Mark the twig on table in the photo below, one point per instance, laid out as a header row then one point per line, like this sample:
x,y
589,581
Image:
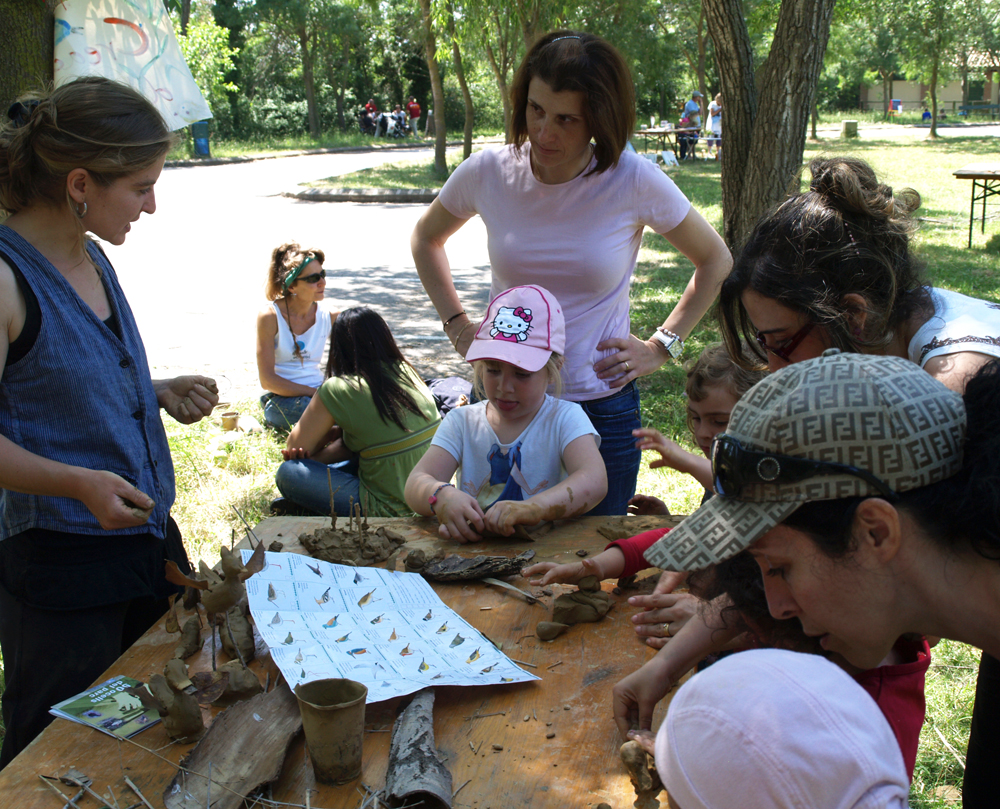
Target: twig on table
x,y
453,794
554,665
114,800
484,715
252,534
135,789
66,800
525,663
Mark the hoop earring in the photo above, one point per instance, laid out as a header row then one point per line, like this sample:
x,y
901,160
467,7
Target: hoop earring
x,y
80,214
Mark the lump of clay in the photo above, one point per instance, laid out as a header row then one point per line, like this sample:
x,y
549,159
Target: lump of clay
x,y
550,630
588,604
353,545
190,638
415,561
178,711
237,634
642,772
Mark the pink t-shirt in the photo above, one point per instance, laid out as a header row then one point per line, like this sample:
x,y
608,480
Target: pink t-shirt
x,y
577,239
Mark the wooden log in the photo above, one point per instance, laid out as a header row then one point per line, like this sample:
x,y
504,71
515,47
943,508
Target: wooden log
x,y
416,771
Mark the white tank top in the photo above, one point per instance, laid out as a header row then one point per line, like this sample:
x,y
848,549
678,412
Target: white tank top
x,y
309,369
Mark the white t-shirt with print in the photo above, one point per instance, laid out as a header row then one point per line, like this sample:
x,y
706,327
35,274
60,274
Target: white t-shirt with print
x,y
959,323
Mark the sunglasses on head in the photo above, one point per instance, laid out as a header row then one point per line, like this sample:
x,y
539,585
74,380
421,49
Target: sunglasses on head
x,y
785,350
314,278
734,467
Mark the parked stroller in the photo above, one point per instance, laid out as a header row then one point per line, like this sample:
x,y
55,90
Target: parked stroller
x,y
388,125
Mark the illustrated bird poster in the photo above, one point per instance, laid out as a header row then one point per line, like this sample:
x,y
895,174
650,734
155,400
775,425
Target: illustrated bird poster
x,y
385,629
133,42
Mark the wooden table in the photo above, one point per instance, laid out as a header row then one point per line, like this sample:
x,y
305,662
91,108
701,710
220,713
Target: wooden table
x,y
665,137
985,183
579,767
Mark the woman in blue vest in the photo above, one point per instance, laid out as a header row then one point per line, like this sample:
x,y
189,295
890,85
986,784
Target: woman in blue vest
x,y
86,481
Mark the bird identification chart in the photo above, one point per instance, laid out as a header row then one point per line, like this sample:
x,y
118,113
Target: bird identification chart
x,y
385,629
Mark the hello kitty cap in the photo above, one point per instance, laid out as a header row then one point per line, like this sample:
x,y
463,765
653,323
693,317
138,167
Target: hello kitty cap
x,y
523,326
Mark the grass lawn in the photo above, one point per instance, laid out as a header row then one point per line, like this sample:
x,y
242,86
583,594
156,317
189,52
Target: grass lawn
x,y
214,475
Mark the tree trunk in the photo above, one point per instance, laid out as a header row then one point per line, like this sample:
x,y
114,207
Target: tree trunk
x,y
437,90
934,111
309,81
26,55
185,16
813,134
886,93
460,75
502,85
764,127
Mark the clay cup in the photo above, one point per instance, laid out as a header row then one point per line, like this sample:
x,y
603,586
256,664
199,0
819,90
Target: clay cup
x,y
333,718
230,420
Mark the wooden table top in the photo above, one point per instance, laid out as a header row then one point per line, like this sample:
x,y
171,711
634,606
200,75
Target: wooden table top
x,y
979,171
578,767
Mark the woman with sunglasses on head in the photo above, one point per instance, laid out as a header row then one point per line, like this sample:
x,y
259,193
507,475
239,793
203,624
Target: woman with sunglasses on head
x,y
565,206
86,479
292,333
833,267
868,493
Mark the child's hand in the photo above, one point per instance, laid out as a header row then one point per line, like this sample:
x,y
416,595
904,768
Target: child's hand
x,y
645,504
460,516
670,453
552,573
503,515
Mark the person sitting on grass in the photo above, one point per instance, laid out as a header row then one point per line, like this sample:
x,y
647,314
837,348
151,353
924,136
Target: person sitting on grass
x,y
714,385
292,332
521,455
366,428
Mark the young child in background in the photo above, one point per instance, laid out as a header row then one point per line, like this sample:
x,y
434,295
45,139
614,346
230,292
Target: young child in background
x,y
714,386
522,456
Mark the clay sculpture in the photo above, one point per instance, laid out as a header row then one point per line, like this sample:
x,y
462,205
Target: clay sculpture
x,y
588,604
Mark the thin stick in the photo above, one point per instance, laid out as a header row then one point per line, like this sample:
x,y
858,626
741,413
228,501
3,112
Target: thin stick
x,y
453,794
554,665
135,789
252,534
951,749
208,792
83,786
484,715
114,800
66,800
524,663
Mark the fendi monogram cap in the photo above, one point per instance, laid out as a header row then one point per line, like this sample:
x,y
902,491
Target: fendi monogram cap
x,y
884,415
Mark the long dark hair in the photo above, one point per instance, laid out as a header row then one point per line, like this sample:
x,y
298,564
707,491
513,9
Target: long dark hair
x,y
362,345
849,234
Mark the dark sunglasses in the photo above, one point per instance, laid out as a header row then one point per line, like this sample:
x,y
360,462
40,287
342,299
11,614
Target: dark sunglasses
x,y
314,278
784,351
734,466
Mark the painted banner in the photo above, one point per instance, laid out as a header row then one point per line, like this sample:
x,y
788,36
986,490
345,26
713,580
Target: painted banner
x,y
133,42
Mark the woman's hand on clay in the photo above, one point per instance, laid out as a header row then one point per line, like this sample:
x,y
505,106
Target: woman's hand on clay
x,y
503,515
459,515
552,573
187,398
631,359
114,501
634,698
643,505
662,616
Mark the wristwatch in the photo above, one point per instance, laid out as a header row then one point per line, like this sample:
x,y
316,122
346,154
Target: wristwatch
x,y
672,343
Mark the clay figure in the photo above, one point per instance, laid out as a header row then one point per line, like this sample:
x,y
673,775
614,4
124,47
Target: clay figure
x,y
586,605
550,630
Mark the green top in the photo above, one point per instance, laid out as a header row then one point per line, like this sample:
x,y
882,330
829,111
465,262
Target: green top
x,y
388,454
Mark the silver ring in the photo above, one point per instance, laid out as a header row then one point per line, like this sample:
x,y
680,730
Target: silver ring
x,y
626,366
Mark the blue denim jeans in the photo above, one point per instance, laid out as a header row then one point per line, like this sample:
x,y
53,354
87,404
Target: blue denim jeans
x,y
282,412
615,417
308,484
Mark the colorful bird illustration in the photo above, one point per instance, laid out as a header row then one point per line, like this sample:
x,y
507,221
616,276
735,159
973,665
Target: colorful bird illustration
x,y
332,622
345,637
423,666
443,629
393,636
487,670
355,652
406,651
458,640
377,620
325,597
429,615
366,598
276,619
358,578
289,640
506,679
302,674
315,570
474,656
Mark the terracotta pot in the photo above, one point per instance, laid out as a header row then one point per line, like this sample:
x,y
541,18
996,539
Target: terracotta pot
x,y
333,719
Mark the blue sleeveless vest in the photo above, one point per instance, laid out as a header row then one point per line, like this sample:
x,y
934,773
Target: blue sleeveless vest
x,y
83,397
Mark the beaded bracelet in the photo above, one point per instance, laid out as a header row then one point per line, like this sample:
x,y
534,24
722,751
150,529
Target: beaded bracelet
x,y
448,321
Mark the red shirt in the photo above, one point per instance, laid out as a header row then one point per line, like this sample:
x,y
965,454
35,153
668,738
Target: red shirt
x,y
414,109
371,107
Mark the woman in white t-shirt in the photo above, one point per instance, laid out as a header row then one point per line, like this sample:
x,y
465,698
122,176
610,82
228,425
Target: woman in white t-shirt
x,y
565,207
292,333
715,114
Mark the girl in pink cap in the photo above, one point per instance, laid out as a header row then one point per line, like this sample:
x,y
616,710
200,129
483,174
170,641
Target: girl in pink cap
x,y
522,456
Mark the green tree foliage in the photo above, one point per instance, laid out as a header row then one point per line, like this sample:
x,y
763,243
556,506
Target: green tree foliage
x,y
209,56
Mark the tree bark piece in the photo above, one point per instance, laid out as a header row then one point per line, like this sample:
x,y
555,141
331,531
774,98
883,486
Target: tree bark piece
x,y
416,771
271,720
